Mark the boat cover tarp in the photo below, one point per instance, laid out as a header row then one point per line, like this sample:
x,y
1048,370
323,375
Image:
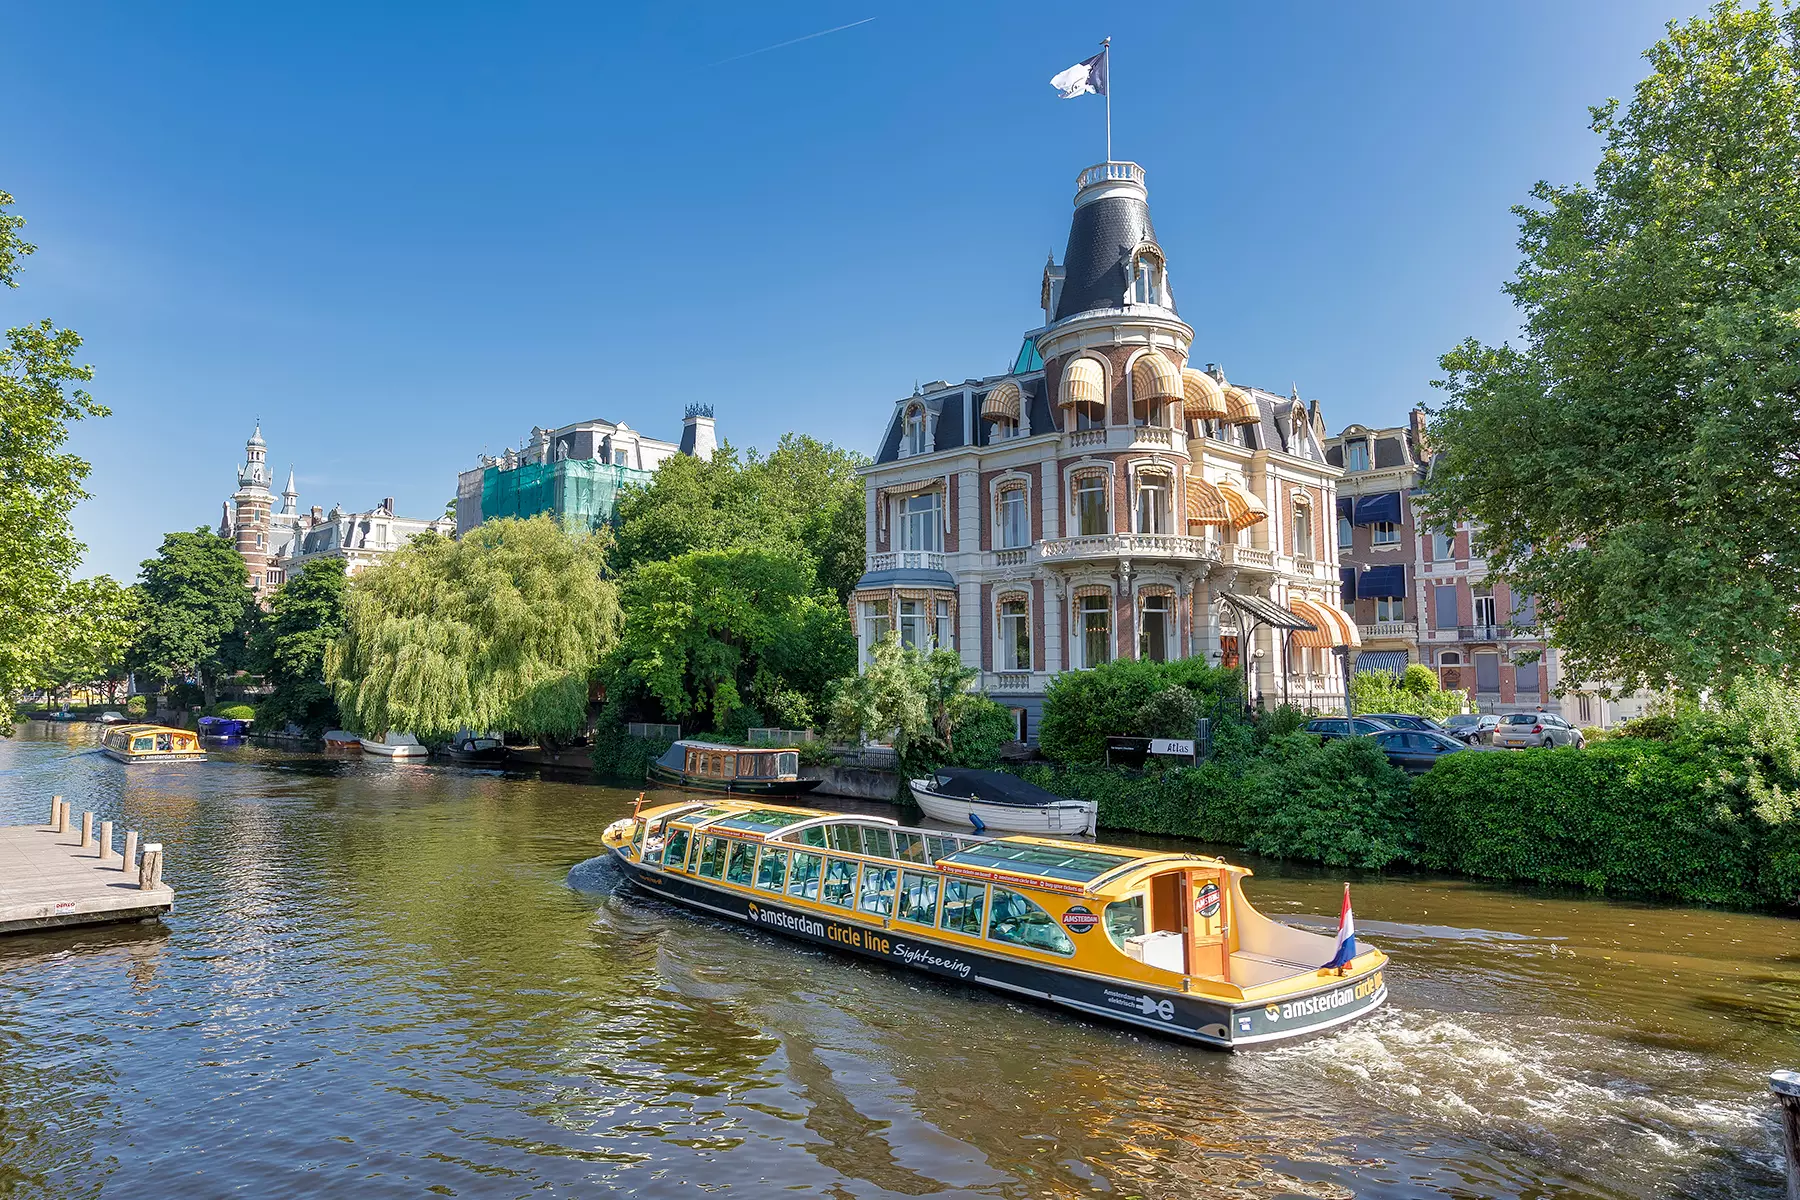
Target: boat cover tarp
x,y
674,758
994,787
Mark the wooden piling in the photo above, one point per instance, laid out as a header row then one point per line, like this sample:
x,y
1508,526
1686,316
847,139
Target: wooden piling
x,y
47,881
87,830
1786,1086
55,808
150,868
105,841
130,850
62,815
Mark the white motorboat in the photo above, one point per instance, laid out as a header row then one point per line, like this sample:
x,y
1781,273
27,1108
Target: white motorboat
x,y
395,745
983,800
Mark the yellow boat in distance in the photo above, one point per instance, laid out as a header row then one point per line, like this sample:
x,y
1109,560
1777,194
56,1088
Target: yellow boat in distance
x,y
1149,938
152,743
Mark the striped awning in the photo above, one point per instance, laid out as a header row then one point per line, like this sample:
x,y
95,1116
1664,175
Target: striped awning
x,y
1244,508
1203,398
1206,504
1240,409
1083,382
1260,608
1331,627
1154,377
1001,404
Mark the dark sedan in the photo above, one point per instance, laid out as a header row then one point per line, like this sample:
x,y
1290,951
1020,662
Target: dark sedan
x,y
1416,750
1424,725
1328,728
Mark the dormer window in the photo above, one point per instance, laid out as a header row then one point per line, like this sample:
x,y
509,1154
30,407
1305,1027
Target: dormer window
x,y
1356,455
1147,279
915,430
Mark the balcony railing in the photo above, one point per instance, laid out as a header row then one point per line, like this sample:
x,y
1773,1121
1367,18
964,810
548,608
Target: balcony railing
x,y
1247,556
1103,172
1127,437
1010,558
1483,633
1157,437
907,560
1011,681
1127,545
1388,629
1077,439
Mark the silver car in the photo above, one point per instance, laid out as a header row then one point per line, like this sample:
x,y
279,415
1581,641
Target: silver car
x,y
1518,730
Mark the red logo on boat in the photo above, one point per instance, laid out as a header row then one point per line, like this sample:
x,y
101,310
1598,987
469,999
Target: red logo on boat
x,y
1079,919
1206,901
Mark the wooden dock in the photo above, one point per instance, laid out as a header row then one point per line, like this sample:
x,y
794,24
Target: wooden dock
x,y
56,875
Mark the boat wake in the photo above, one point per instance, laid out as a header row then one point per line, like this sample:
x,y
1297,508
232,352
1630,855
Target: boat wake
x,y
1617,1113
597,876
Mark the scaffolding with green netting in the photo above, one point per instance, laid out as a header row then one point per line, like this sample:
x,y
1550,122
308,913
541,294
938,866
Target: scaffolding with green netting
x,y
581,492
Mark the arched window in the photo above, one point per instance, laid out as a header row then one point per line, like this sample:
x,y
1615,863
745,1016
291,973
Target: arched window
x,y
1093,626
1156,623
915,430
1450,658
1147,279
1089,498
1014,611
1153,502
1303,534
1012,517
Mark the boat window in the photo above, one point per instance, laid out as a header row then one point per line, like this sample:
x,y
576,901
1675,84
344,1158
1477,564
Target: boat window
x,y
676,853
1125,919
1065,863
939,847
840,881
963,902
712,857
742,863
909,847
918,898
804,882
877,894
877,842
693,762
1017,919
164,742
847,838
143,743
727,766
772,873
787,763
759,820
813,836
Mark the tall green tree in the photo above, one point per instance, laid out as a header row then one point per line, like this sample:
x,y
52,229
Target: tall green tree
x,y
500,630
1635,462
804,499
198,611
306,614
922,706
738,637
40,394
98,627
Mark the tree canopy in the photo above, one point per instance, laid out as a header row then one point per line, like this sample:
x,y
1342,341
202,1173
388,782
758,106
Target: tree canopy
x,y
805,498
738,636
98,626
1635,462
920,704
40,484
499,630
306,614
197,610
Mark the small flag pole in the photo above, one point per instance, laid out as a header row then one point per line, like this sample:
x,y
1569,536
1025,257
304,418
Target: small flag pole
x,y
1106,49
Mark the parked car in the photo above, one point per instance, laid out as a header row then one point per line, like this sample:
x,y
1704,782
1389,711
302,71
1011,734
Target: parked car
x,y
1411,721
1416,750
1473,728
1328,728
1518,730
110,717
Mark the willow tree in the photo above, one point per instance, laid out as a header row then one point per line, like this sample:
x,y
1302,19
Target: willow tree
x,y
499,630
1634,462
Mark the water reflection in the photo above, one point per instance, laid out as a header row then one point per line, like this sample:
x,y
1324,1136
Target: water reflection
x,y
387,975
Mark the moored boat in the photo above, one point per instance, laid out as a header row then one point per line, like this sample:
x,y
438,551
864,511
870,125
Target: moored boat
x,y
742,770
473,749
151,743
996,800
1152,939
394,745
223,728
342,739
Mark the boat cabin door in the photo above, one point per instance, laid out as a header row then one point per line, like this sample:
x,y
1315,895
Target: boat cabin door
x,y
1208,922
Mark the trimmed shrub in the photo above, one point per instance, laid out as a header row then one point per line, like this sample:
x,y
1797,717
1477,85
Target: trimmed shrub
x,y
984,727
137,706
1083,708
235,712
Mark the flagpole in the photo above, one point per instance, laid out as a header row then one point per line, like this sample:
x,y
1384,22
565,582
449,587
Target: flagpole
x,y
1106,49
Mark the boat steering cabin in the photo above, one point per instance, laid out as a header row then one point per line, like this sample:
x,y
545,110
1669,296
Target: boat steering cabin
x,y
1152,939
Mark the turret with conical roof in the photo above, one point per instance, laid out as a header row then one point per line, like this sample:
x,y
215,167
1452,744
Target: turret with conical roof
x,y
290,498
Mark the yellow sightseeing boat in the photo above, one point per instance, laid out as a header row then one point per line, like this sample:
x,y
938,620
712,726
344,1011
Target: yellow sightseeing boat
x,y
152,743
1149,938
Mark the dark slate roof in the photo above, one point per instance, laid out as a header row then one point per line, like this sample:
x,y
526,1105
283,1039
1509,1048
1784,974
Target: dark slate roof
x,y
687,436
1096,269
908,577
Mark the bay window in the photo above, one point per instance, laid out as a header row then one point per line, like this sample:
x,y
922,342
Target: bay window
x,y
920,525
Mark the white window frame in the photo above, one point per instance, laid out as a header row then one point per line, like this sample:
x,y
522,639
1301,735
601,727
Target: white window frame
x,y
1156,487
868,612
915,436
1479,603
1147,285
1077,488
1384,533
1346,533
1013,494
1012,629
913,531
915,626
1360,445
943,634
1390,608
1079,610
1443,545
1303,532
1165,604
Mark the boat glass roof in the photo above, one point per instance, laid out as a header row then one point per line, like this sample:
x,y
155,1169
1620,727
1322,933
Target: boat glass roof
x,y
762,820
701,817
1045,862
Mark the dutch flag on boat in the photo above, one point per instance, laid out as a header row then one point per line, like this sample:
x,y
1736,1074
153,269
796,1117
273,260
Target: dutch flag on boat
x,y
1346,936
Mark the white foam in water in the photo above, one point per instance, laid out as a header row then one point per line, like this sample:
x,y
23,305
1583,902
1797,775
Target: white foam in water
x,y
1566,1093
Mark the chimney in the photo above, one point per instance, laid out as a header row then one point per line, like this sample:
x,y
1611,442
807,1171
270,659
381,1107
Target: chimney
x,y
698,434
318,514
1416,418
387,505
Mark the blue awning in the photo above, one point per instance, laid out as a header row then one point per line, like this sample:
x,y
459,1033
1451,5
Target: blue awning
x,y
1347,585
1378,582
1391,661
1382,507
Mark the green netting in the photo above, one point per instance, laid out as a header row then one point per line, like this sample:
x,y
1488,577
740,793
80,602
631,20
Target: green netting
x,y
582,493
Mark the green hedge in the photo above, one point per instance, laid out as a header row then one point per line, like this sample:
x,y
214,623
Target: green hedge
x,y
1083,708
235,712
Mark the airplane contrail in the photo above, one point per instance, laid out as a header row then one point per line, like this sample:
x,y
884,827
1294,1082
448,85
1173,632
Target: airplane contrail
x,y
791,42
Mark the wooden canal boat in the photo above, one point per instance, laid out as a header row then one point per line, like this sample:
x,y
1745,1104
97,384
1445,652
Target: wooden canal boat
x,y
742,770
1152,939
152,743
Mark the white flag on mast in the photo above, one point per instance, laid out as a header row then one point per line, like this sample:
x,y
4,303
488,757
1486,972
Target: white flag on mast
x,y
1085,78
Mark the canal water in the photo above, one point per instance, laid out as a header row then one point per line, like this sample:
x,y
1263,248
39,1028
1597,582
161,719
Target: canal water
x,y
402,979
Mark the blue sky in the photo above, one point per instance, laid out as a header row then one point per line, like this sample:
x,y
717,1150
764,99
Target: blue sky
x,y
404,235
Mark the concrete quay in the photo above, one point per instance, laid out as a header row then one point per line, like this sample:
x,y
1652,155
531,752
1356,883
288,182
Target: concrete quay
x,y
56,875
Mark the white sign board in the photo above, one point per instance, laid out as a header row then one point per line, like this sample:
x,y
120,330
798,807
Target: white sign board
x,y
1172,746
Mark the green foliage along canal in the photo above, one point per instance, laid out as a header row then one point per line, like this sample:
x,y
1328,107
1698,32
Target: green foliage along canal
x,y
383,979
